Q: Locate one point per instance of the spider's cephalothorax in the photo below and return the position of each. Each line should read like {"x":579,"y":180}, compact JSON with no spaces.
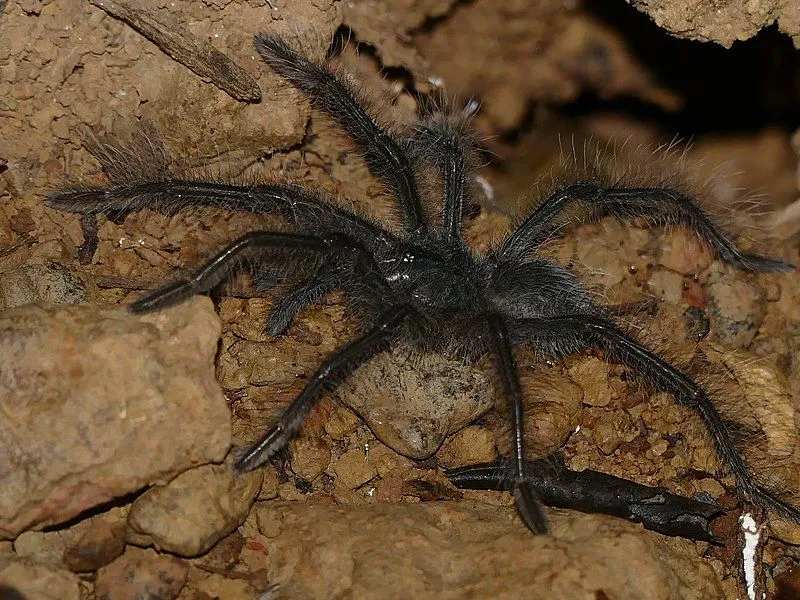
{"x":423,"y":284}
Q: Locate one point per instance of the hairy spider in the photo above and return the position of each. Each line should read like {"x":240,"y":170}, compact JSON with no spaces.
{"x":423,"y":285}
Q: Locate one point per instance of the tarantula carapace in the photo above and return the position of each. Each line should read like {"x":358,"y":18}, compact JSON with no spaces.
{"x":423,"y":285}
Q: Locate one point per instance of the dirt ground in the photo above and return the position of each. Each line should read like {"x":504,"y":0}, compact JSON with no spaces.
{"x":114,"y":447}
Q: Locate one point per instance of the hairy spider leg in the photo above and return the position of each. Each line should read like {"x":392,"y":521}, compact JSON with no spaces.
{"x":386,"y":158}
{"x":329,"y":374}
{"x":441,"y":142}
{"x":288,"y":306}
{"x":168,"y":194}
{"x":561,"y":336}
{"x":593,"y":491}
{"x":588,"y":201}
{"x":220,"y":266}
{"x":528,"y":505}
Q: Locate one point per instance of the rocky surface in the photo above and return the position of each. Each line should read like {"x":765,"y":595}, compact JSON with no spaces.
{"x":193,"y":511}
{"x":141,"y":574}
{"x":724,"y":23}
{"x":341,"y":507}
{"x":78,"y":430}
{"x":428,"y":551}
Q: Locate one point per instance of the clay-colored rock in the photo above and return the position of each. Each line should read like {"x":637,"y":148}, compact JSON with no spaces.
{"x":681,"y":251}
{"x":96,"y":542}
{"x":80,"y":429}
{"x":736,"y":309}
{"x":310,"y":456}
{"x":471,"y":445}
{"x":453,"y":550}
{"x":141,"y":574}
{"x":353,"y":469}
{"x":35,"y":581}
{"x":40,"y":284}
{"x":412,"y":401}
{"x":592,"y":376}
{"x":724,"y":23}
{"x":193,"y":511}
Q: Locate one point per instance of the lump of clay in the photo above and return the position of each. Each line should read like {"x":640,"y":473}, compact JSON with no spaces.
{"x":412,"y":401}
{"x":195,"y":510}
{"x":40,"y":284}
{"x":98,"y":403}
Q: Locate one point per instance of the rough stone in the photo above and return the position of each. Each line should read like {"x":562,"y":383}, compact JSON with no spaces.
{"x":40,"y":284}
{"x":736,"y":308}
{"x":141,"y":574}
{"x":97,"y":542}
{"x":310,"y":456}
{"x":353,"y":469}
{"x":192,"y":512}
{"x":68,"y":370}
{"x":34,"y":581}
{"x":471,"y":445}
{"x":458,"y":550}
{"x":413,"y":401}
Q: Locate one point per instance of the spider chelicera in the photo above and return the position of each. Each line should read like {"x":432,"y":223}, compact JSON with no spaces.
{"x":423,"y":285}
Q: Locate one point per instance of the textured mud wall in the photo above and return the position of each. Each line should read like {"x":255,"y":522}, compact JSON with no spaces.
{"x":115,"y":431}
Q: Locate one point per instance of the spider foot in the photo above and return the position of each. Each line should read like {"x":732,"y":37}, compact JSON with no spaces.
{"x":529,"y":507}
{"x":249,"y":458}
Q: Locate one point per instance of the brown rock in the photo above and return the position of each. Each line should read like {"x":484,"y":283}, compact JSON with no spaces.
{"x":471,"y":445}
{"x":34,"y":581}
{"x":412,"y":401}
{"x":681,"y":251}
{"x":40,"y":284}
{"x":132,"y":398}
{"x":98,"y":541}
{"x":193,"y":511}
{"x":736,"y":308}
{"x":141,"y":574}
{"x":217,"y":586}
{"x":592,"y":376}
{"x":353,"y":469}
{"x":448,"y":550}
{"x":310,"y":456}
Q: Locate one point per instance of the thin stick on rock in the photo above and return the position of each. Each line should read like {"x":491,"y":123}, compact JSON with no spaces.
{"x":179,"y":43}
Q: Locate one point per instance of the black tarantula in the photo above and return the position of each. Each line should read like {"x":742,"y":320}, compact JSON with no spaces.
{"x":425,"y":285}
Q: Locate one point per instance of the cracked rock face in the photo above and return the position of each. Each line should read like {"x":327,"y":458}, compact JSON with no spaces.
{"x":68,"y":370}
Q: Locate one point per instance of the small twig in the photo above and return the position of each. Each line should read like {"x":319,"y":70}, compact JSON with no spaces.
{"x":179,"y":43}
{"x":595,"y":492}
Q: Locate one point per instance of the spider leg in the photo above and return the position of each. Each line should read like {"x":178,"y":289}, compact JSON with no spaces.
{"x":168,"y":193}
{"x":528,"y":505}
{"x":385,"y":156}
{"x":290,"y":304}
{"x":588,"y":201}
{"x":329,"y":374}
{"x":442,"y":142}
{"x":219,"y":267}
{"x":595,"y":492}
{"x":560,"y":336}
